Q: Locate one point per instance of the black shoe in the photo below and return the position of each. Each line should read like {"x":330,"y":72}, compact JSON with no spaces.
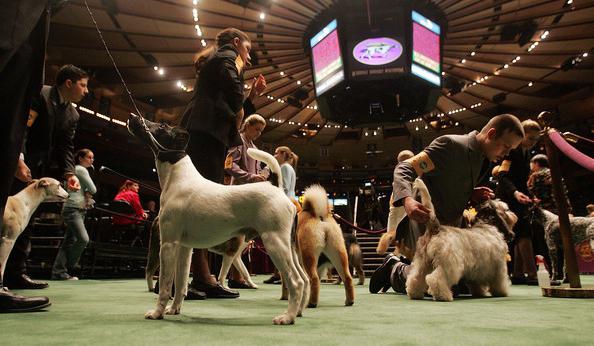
{"x":380,"y":279}
{"x":24,"y":282}
{"x":274,"y":279}
{"x":194,"y":294}
{"x":214,"y":290}
{"x":10,"y":302}
{"x":238,"y":284}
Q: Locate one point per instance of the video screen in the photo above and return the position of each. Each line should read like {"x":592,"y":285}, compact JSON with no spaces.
{"x":426,"y":62}
{"x":377,"y":51}
{"x":327,"y":62}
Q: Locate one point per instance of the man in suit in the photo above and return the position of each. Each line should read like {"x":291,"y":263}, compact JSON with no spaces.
{"x":451,"y":167}
{"x":23,"y":32}
{"x":48,"y":151}
{"x":213,"y":123}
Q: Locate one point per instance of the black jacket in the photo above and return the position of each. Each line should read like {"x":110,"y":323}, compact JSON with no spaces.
{"x":17,"y":21}
{"x":50,"y":139}
{"x":514,"y":179}
{"x":218,"y":96}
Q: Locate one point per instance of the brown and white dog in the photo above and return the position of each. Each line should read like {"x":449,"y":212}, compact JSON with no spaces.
{"x":20,"y":208}
{"x":198,"y":213}
{"x":317,"y":233}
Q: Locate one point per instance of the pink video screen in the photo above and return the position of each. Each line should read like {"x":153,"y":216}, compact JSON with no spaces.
{"x":426,"y":47}
{"x":326,"y":59}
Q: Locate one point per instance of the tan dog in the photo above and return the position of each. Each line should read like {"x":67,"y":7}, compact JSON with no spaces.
{"x":20,"y":208}
{"x":317,"y":233}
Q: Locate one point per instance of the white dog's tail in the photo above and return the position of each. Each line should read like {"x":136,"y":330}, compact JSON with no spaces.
{"x":315,"y":201}
{"x":421,"y":188}
{"x":270,"y":161}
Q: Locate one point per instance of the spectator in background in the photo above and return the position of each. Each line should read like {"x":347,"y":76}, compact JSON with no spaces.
{"x":540,"y":184}
{"x":74,"y":211}
{"x":129,"y":193}
{"x":287,"y":160}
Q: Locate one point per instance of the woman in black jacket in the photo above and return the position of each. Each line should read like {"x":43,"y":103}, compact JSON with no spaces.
{"x":213,"y":120}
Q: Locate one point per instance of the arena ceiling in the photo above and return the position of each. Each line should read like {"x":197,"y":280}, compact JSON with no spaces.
{"x":484,"y":73}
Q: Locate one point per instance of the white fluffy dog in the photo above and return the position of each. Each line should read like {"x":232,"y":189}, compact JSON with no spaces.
{"x":446,"y":254}
{"x":20,"y":208}
{"x":198,"y":213}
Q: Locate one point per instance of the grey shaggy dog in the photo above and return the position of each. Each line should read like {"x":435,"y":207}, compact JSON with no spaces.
{"x":582,"y":229}
{"x":446,"y":254}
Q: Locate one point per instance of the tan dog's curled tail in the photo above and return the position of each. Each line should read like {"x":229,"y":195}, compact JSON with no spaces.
{"x":433,"y":224}
{"x":385,"y":241}
{"x":315,"y":201}
{"x":270,"y":161}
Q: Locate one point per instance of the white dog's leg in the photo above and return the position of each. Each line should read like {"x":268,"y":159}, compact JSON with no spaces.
{"x":240,"y":266}
{"x":225,"y":266}
{"x":278,"y":245}
{"x":182,"y":271}
{"x":6,"y":245}
{"x":306,"y":287}
{"x":168,"y":262}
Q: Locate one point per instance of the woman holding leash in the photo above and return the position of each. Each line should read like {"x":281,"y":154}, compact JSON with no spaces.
{"x":212,"y":119}
{"x":75,"y":208}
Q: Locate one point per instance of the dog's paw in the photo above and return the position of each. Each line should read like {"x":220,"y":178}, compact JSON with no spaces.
{"x":283,"y":319}
{"x":312,"y":305}
{"x":171,"y":310}
{"x":153,"y":315}
{"x":349,"y":302}
{"x":284,"y":298}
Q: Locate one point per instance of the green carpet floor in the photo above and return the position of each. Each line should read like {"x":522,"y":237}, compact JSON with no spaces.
{"x":91,"y":312}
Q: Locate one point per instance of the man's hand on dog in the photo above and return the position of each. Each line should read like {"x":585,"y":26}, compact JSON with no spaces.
{"x":415,"y":210}
{"x":23,"y":173}
{"x":481,"y":193}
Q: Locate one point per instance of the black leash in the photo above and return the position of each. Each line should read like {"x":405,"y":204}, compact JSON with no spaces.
{"x":160,"y":148}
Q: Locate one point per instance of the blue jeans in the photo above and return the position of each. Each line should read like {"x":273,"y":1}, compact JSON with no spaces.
{"x":75,"y":241}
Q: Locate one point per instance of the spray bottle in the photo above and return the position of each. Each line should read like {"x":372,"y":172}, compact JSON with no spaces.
{"x":542,"y":274}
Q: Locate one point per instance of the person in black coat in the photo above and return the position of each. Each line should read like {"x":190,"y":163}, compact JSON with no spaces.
{"x":513,"y":189}
{"x":213,"y":118}
{"x":23,"y":35}
{"x":48,"y":150}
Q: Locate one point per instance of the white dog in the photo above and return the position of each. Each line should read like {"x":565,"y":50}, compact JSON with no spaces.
{"x":198,"y":213}
{"x":446,"y":254}
{"x":20,"y":208}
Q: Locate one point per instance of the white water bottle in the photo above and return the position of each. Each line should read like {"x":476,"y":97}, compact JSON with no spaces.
{"x":542,"y":274}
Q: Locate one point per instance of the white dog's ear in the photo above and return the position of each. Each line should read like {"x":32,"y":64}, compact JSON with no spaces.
{"x":42,"y":183}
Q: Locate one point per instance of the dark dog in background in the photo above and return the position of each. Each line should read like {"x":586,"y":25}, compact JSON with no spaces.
{"x":355,"y":259}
